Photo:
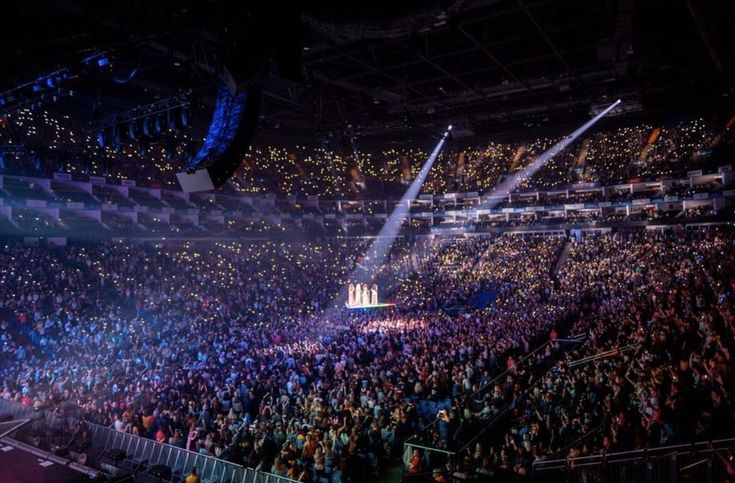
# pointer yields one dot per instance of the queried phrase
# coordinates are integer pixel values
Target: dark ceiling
(388, 70)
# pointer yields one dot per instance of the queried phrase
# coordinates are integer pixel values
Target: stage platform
(373, 307)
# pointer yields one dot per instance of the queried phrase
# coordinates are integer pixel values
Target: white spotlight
(512, 182)
(380, 247)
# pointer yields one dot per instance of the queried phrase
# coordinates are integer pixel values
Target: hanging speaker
(230, 132)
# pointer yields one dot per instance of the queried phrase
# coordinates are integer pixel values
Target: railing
(423, 436)
(430, 458)
(263, 477)
(147, 452)
(150, 453)
(615, 351)
(669, 464)
(582, 439)
(16, 409)
(433, 457)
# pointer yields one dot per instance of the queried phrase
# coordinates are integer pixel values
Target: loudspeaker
(81, 446)
(62, 451)
(116, 455)
(121, 478)
(109, 467)
(161, 471)
(226, 153)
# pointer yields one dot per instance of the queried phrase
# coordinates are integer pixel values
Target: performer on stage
(358, 295)
(351, 295)
(374, 294)
(365, 295)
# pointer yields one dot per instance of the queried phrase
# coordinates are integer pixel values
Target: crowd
(241, 350)
(39, 141)
(656, 312)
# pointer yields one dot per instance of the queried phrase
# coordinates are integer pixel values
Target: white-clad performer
(358, 295)
(374, 294)
(351, 295)
(365, 295)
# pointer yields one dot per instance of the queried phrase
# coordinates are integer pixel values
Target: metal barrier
(150, 452)
(424, 437)
(263, 477)
(432, 457)
(16, 409)
(423, 442)
(695, 462)
(147, 452)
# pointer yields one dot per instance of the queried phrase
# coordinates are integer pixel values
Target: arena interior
(419, 241)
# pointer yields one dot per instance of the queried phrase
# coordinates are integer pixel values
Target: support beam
(490, 56)
(382, 73)
(317, 55)
(146, 111)
(447, 73)
(705, 37)
(545, 36)
(493, 68)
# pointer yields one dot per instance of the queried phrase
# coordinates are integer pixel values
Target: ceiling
(382, 72)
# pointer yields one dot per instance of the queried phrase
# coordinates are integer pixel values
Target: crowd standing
(225, 348)
(45, 142)
(656, 313)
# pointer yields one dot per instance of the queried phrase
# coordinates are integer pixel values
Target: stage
(370, 306)
(364, 297)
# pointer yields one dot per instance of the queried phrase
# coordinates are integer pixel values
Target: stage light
(375, 255)
(512, 182)
(449, 128)
(170, 121)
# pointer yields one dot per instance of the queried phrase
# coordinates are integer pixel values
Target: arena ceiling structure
(380, 72)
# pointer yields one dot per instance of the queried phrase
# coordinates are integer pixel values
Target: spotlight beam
(512, 182)
(381, 246)
(378, 250)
